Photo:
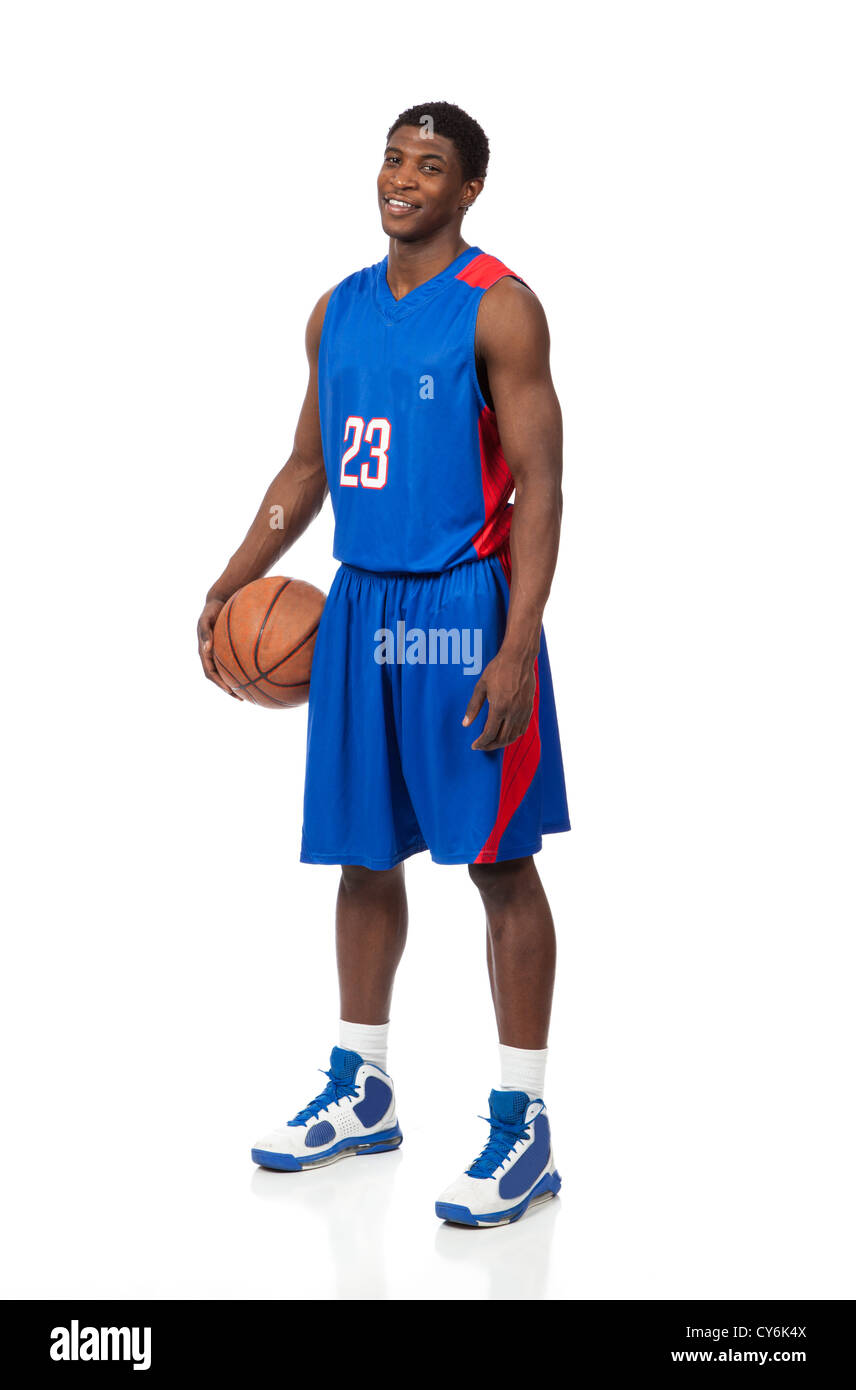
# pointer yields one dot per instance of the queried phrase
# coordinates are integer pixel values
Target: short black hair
(450, 121)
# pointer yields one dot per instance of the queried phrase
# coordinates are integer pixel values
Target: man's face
(420, 185)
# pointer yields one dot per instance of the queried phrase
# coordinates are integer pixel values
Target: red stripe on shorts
(519, 762)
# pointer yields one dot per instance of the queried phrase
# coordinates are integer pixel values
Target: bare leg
(521, 949)
(371, 929)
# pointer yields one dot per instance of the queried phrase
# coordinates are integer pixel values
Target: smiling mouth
(399, 205)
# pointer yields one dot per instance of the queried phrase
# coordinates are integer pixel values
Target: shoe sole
(543, 1191)
(346, 1148)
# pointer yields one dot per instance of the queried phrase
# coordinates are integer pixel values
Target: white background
(675, 180)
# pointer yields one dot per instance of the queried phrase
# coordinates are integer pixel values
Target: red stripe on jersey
(483, 271)
(497, 487)
(497, 482)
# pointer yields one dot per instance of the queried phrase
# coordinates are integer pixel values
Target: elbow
(541, 491)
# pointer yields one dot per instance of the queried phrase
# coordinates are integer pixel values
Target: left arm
(513, 347)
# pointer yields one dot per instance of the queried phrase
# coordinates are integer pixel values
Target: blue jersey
(417, 475)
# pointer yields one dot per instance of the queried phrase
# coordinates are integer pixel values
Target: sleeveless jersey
(412, 451)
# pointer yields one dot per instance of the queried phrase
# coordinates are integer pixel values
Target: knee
(501, 883)
(357, 878)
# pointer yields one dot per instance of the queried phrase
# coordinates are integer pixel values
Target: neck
(411, 263)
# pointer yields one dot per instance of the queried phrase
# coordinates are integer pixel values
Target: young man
(429, 401)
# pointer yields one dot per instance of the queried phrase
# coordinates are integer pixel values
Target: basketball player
(429, 402)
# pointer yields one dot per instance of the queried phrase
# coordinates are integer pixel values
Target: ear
(470, 191)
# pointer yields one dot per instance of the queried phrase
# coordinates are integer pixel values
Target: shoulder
(361, 282)
(315, 325)
(509, 311)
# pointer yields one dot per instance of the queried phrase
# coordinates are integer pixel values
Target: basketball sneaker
(354, 1114)
(515, 1169)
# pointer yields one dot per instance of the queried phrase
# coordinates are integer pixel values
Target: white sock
(522, 1070)
(368, 1039)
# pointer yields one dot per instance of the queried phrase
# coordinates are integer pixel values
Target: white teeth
(398, 203)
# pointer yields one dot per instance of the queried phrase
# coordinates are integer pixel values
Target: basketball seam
(229, 634)
(236, 684)
(232, 645)
(240, 685)
(281, 704)
(273, 601)
(287, 657)
(249, 683)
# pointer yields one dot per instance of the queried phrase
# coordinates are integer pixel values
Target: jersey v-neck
(393, 310)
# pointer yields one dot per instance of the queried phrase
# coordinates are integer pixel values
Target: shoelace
(502, 1139)
(335, 1090)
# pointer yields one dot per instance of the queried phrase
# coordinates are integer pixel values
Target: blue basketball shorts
(390, 769)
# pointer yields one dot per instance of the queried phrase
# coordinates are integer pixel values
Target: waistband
(462, 566)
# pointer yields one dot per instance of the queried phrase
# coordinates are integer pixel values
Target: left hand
(508, 685)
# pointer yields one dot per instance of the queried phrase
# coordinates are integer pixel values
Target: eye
(391, 159)
(431, 168)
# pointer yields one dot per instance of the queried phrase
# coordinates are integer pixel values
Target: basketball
(264, 638)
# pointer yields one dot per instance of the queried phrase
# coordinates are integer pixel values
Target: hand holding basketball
(205, 641)
(262, 641)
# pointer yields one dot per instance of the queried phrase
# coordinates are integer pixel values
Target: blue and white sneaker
(354, 1114)
(514, 1171)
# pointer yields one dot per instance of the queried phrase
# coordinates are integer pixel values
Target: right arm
(294, 498)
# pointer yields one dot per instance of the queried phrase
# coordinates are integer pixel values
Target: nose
(403, 178)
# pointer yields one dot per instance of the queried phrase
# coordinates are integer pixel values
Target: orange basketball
(264, 638)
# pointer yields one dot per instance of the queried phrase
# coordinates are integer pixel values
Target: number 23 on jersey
(371, 472)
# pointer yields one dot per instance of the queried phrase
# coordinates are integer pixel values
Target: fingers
(509, 712)
(205, 636)
(491, 735)
(498, 732)
(214, 675)
(218, 680)
(477, 699)
(206, 656)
